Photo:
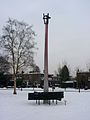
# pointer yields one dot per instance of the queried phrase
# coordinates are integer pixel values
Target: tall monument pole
(46, 21)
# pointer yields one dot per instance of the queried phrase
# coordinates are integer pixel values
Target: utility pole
(46, 21)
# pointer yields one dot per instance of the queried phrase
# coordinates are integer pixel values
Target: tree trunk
(14, 92)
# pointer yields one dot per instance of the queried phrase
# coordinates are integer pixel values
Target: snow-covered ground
(17, 107)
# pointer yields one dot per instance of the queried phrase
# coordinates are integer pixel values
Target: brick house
(31, 79)
(83, 79)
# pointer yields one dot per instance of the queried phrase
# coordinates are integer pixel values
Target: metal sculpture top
(46, 18)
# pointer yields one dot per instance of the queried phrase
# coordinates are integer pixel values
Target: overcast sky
(69, 29)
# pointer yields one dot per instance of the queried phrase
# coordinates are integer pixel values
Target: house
(28, 80)
(83, 79)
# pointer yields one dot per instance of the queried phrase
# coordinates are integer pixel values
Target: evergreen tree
(4, 64)
(64, 75)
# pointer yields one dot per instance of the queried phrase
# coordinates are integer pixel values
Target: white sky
(69, 27)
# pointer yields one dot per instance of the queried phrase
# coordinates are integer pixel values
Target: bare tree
(58, 71)
(18, 41)
(36, 68)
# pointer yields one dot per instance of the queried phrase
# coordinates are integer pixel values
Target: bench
(46, 96)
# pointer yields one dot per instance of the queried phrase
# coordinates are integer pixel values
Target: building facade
(83, 80)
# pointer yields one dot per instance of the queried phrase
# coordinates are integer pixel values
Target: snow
(18, 107)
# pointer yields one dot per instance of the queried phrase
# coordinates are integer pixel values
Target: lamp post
(46, 21)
